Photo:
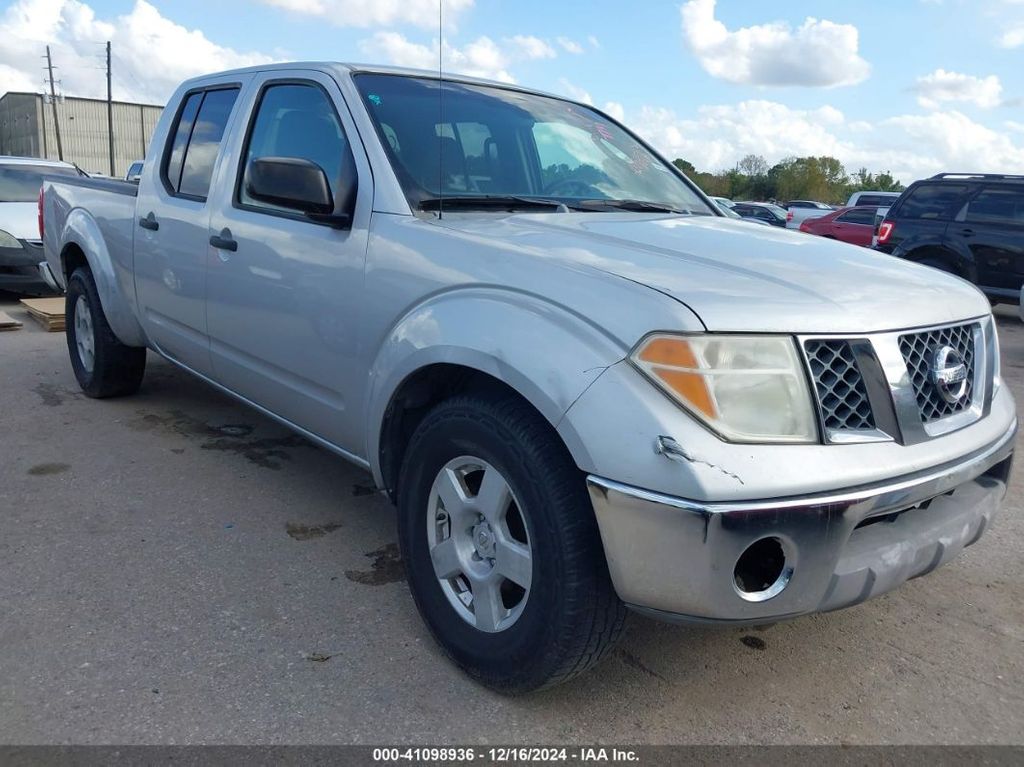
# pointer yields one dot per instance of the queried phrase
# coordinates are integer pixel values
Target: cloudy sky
(910, 86)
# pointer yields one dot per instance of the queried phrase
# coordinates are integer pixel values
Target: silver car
(585, 389)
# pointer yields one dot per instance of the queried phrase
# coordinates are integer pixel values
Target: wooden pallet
(7, 322)
(49, 312)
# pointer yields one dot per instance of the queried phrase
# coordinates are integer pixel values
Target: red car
(853, 225)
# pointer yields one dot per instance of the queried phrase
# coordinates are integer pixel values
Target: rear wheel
(104, 367)
(501, 548)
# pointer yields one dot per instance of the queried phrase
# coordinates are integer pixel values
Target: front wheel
(501, 547)
(104, 367)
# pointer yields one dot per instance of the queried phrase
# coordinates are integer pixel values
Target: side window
(206, 135)
(179, 141)
(997, 206)
(865, 216)
(297, 120)
(196, 139)
(933, 201)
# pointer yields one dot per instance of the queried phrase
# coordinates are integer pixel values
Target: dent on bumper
(675, 558)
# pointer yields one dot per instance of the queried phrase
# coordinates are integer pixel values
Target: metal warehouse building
(27, 130)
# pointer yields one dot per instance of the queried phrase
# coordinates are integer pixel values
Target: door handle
(224, 241)
(967, 232)
(149, 222)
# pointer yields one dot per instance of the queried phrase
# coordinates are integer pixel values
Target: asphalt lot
(175, 568)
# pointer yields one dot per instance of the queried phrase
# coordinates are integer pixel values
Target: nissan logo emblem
(949, 374)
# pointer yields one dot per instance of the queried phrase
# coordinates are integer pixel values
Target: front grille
(919, 350)
(842, 395)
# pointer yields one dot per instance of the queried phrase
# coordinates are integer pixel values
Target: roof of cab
(353, 68)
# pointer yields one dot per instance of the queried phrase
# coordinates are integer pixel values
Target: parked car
(798, 211)
(880, 199)
(728, 212)
(584, 388)
(21, 248)
(764, 212)
(134, 172)
(853, 225)
(971, 225)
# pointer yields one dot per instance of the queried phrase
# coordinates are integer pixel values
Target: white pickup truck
(583, 386)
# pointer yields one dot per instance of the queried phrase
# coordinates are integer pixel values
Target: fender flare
(546, 353)
(82, 231)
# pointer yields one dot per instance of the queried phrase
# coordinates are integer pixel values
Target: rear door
(285, 295)
(172, 225)
(991, 224)
(855, 226)
(923, 213)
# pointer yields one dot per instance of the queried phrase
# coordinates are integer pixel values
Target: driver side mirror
(294, 183)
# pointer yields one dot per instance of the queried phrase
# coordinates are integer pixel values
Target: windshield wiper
(634, 205)
(502, 202)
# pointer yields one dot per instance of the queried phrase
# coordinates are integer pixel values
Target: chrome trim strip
(901, 493)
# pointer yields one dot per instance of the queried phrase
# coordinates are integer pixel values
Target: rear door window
(866, 216)
(995, 205)
(933, 201)
(195, 141)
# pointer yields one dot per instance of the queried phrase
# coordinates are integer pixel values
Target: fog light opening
(762, 571)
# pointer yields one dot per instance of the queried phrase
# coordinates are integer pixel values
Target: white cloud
(1012, 38)
(151, 54)
(479, 58)
(910, 146)
(377, 13)
(594, 42)
(574, 91)
(569, 45)
(941, 86)
(818, 53)
(615, 110)
(533, 47)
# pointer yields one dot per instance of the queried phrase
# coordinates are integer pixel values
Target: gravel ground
(176, 568)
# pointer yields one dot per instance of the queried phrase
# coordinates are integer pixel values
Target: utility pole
(110, 114)
(53, 103)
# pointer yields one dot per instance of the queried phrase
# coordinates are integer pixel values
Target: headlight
(745, 388)
(8, 240)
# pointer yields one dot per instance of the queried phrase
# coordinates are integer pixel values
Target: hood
(20, 219)
(738, 277)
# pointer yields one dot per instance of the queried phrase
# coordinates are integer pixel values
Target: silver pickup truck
(585, 389)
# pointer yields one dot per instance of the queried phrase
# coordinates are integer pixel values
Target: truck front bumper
(761, 561)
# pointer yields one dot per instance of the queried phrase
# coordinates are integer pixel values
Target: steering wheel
(570, 187)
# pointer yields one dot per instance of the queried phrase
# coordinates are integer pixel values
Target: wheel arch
(543, 355)
(83, 244)
(960, 264)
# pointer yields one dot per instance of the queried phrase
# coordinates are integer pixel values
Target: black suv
(969, 224)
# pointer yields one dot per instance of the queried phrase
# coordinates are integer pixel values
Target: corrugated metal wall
(26, 129)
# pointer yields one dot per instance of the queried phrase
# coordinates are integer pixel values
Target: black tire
(572, 616)
(117, 369)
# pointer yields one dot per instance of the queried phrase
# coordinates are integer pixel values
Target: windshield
(20, 183)
(498, 143)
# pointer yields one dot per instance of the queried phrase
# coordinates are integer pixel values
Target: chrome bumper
(47, 276)
(677, 559)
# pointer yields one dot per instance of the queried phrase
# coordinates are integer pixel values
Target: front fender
(543, 351)
(114, 281)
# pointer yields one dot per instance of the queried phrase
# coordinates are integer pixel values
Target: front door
(284, 291)
(992, 226)
(172, 227)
